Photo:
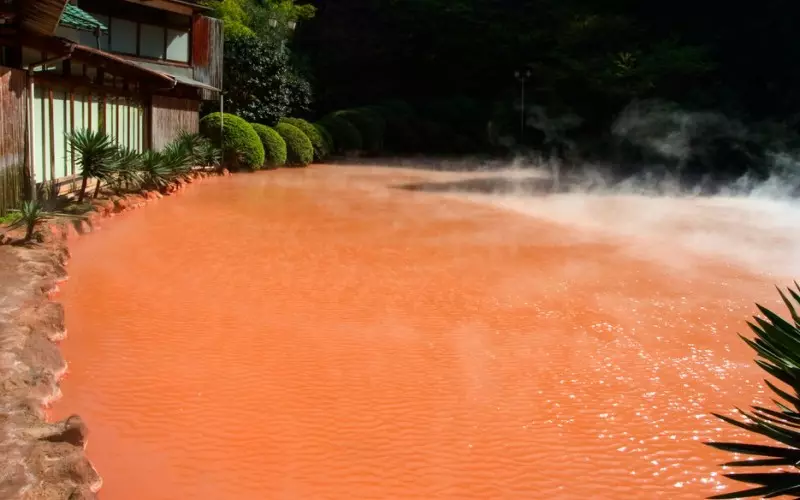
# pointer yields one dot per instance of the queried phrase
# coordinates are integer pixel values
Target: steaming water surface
(319, 333)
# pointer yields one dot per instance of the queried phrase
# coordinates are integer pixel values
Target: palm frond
(94, 153)
(193, 145)
(155, 172)
(210, 155)
(127, 171)
(178, 158)
(30, 215)
(777, 345)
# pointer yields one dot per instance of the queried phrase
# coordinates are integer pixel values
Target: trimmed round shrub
(326, 137)
(299, 150)
(274, 145)
(369, 123)
(321, 149)
(239, 143)
(346, 136)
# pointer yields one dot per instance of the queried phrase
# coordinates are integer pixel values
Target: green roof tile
(78, 19)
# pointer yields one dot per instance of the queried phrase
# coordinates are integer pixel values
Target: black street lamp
(522, 76)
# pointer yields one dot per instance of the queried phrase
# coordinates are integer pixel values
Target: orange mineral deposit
(324, 333)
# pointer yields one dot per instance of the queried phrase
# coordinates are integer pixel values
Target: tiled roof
(78, 19)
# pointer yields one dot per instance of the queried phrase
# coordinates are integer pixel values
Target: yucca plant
(127, 171)
(193, 145)
(178, 158)
(155, 172)
(777, 344)
(211, 156)
(94, 154)
(30, 214)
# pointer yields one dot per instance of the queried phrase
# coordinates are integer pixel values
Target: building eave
(68, 49)
(78, 19)
(178, 6)
(115, 64)
(41, 16)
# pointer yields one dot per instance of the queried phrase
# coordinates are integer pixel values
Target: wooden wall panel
(13, 129)
(207, 53)
(169, 117)
(59, 109)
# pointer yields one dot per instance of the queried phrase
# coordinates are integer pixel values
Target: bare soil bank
(42, 460)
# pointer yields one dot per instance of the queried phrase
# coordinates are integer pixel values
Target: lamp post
(522, 76)
(273, 23)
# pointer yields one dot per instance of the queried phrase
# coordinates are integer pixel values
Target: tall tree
(264, 81)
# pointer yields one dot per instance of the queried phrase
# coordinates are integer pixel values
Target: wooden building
(137, 69)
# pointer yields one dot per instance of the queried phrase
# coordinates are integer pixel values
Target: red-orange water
(309, 334)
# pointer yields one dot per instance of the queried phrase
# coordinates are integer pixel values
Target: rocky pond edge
(39, 459)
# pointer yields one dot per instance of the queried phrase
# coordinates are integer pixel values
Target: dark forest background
(454, 61)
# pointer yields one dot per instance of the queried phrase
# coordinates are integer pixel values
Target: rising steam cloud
(749, 221)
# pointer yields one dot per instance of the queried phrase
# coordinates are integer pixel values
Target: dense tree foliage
(263, 79)
(588, 59)
(260, 84)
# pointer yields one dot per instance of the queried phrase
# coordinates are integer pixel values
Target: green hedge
(299, 150)
(241, 146)
(321, 149)
(402, 136)
(370, 124)
(274, 145)
(326, 137)
(346, 136)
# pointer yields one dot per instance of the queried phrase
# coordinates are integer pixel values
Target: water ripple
(313, 334)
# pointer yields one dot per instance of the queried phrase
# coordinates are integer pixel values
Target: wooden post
(103, 112)
(31, 167)
(116, 119)
(89, 101)
(72, 127)
(52, 136)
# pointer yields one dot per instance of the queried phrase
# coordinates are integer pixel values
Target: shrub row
(299, 150)
(391, 127)
(292, 142)
(394, 127)
(239, 142)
